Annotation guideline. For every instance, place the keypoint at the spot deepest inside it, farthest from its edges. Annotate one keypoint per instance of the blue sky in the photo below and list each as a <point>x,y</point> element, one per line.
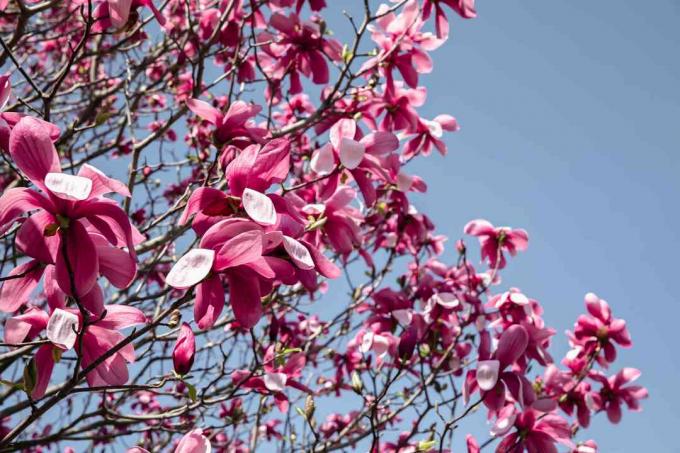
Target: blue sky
<point>568,113</point>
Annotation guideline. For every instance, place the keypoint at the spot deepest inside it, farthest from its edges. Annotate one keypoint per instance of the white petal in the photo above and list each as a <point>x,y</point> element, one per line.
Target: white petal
<point>434,127</point>
<point>351,153</point>
<point>298,253</point>
<point>62,328</point>
<point>275,382</point>
<point>487,374</point>
<point>191,268</point>
<point>447,300</point>
<point>259,207</point>
<point>366,342</point>
<point>403,317</point>
<point>503,425</point>
<point>68,187</point>
<point>519,299</point>
<point>322,161</point>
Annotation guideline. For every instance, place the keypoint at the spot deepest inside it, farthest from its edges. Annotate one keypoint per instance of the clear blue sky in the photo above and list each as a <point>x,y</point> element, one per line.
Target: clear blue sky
<point>569,116</point>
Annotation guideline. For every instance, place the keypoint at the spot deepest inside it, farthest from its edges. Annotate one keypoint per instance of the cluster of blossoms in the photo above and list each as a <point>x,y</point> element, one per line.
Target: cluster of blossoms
<point>271,196</point>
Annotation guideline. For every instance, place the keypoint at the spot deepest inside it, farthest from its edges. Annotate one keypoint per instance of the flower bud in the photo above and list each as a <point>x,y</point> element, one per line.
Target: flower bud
<point>185,348</point>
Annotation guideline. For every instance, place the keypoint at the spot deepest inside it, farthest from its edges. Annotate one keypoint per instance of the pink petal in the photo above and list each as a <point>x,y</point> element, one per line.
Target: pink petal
<point>45,364</point>
<point>25,326</point>
<point>191,268</point>
<point>102,184</point>
<point>244,297</point>
<point>115,264</point>
<point>205,111</point>
<point>33,240</point>
<point>209,302</point>
<point>119,12</point>
<point>62,328</point>
<point>17,201</point>
<point>83,264</point>
<point>93,301</point>
<point>487,374</point>
<point>323,161</point>
<point>512,344</point>
<point>479,227</point>
<point>121,317</point>
<point>15,292</point>
<point>207,200</point>
<point>259,207</point>
<point>5,89</point>
<point>32,150</point>
<point>351,153</point>
<point>242,249</point>
<point>343,128</point>
<point>298,253</point>
<point>275,382</point>
<point>194,442</point>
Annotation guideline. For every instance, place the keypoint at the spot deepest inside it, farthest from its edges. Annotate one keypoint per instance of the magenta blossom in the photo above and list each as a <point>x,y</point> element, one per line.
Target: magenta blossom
<point>493,240</point>
<point>233,127</point>
<point>600,330</point>
<point>615,391</point>
<point>534,433</point>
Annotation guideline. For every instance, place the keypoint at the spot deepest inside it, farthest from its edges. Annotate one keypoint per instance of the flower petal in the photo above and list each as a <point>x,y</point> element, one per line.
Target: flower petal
<point>32,150</point>
<point>259,207</point>
<point>62,328</point>
<point>275,382</point>
<point>487,374</point>
<point>298,253</point>
<point>191,268</point>
<point>351,153</point>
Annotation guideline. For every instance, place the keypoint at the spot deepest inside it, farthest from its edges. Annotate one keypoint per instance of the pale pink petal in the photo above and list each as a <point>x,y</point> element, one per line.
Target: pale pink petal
<point>194,442</point>
<point>119,12</point>
<point>14,292</point>
<point>323,161</point>
<point>487,374</point>
<point>351,153</point>
<point>445,299</point>
<point>102,184</point>
<point>343,128</point>
<point>62,328</point>
<point>298,253</point>
<point>479,227</point>
<point>259,207</point>
<point>275,382</point>
<point>503,425</point>
<point>191,268</point>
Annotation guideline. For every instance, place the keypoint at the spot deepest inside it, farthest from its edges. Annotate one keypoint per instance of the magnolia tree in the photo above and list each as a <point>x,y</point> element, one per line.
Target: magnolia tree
<point>189,304</point>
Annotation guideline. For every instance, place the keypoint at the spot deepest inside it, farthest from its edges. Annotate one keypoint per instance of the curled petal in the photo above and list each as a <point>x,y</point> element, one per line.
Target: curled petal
<point>298,253</point>
<point>259,207</point>
<point>275,382</point>
<point>487,374</point>
<point>62,328</point>
<point>191,268</point>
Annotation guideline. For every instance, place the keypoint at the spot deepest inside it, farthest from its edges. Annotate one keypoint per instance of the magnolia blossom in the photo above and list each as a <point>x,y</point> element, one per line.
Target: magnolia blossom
<point>494,240</point>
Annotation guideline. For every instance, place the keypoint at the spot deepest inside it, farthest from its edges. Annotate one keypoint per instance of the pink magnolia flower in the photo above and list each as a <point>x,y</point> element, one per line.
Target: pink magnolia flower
<point>298,47</point>
<point>428,134</point>
<point>615,390</point>
<point>62,327</point>
<point>276,378</point>
<point>366,159</point>
<point>232,248</point>
<point>535,432</point>
<point>493,240</point>
<point>235,126</point>
<point>185,349</point>
<point>69,210</point>
<point>491,378</point>
<point>600,330</point>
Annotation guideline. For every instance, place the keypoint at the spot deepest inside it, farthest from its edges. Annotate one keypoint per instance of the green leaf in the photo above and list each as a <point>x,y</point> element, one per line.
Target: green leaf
<point>192,391</point>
